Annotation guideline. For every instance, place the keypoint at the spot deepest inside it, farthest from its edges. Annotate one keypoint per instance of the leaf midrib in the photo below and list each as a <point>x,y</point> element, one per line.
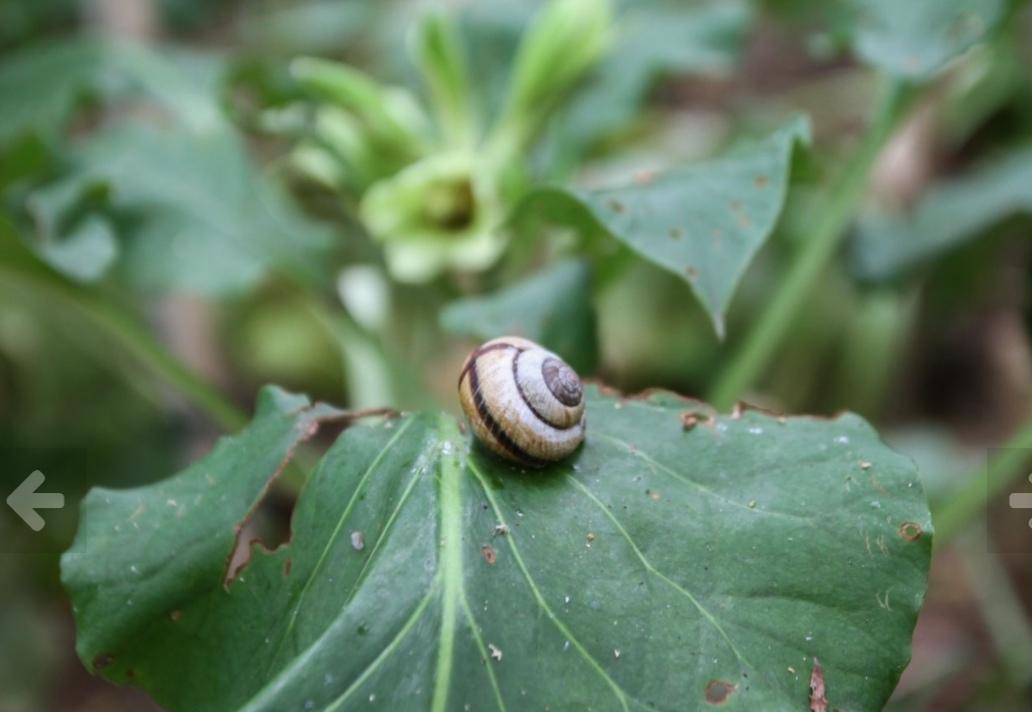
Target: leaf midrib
<point>450,557</point>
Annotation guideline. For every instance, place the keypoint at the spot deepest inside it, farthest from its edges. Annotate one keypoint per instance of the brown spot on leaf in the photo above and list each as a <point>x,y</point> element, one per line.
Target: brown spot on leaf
<point>760,182</point>
<point>689,419</point>
<point>102,660</point>
<point>175,616</point>
<point>911,531</point>
<point>616,206</point>
<point>736,205</point>
<point>717,691</point>
<point>676,233</point>
<point>130,674</point>
<point>693,274</point>
<point>489,554</point>
<point>644,177</point>
<point>287,566</point>
<point>818,696</point>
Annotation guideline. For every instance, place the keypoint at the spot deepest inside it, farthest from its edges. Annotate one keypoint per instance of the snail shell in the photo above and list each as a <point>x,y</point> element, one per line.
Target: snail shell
<point>524,402</point>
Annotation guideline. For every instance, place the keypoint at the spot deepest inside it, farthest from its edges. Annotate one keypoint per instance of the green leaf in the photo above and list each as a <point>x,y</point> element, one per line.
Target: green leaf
<point>553,307</point>
<point>391,114</point>
<point>86,253</point>
<point>704,222</point>
<point>170,197</point>
<point>915,38</point>
<point>951,214</point>
<point>69,71</point>
<point>198,215</point>
<point>562,43</point>
<point>652,40</point>
<point>442,60</point>
<point>74,70</point>
<point>660,568</point>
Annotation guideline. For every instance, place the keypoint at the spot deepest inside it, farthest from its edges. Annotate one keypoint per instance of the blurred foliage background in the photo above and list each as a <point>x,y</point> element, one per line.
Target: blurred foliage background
<point>188,212</point>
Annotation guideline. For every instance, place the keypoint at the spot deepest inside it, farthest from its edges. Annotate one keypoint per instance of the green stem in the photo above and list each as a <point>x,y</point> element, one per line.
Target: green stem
<point>769,331</point>
<point>1000,606</point>
<point>124,329</point>
<point>955,512</point>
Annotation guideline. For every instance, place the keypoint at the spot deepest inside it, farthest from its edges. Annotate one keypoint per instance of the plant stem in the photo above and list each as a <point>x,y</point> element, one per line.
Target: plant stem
<point>1000,606</point>
<point>769,331</point>
<point>123,328</point>
<point>954,513</point>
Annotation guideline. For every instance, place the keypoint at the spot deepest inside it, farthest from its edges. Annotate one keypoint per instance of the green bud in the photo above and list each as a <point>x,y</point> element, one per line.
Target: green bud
<point>390,113</point>
<point>436,214</point>
<point>315,163</point>
<point>563,43</point>
<point>442,61</point>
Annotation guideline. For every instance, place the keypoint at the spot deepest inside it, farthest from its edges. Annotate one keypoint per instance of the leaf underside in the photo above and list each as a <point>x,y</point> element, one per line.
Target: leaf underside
<point>662,567</point>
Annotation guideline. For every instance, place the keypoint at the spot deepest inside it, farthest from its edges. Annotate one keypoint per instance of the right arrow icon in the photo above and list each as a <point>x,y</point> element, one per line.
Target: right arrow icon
<point>25,500</point>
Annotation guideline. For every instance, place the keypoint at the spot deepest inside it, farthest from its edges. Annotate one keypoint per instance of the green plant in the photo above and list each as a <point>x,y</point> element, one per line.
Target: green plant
<point>615,180</point>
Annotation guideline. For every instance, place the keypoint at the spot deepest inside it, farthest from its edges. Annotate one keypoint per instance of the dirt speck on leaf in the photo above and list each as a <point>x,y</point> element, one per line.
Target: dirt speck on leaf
<point>717,691</point>
<point>644,177</point>
<point>911,531</point>
<point>496,652</point>
<point>818,696</point>
<point>175,616</point>
<point>616,206</point>
<point>676,233</point>
<point>760,182</point>
<point>102,660</point>
<point>357,540</point>
<point>501,529</point>
<point>865,465</point>
<point>489,554</point>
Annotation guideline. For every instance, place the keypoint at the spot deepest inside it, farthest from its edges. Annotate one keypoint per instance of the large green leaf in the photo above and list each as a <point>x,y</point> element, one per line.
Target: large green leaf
<point>952,213</point>
<point>704,222</point>
<point>914,38</point>
<point>552,307</point>
<point>663,567</point>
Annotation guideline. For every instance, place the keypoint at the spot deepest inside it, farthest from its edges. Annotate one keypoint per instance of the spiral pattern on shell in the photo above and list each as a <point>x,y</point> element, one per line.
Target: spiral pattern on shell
<point>524,402</point>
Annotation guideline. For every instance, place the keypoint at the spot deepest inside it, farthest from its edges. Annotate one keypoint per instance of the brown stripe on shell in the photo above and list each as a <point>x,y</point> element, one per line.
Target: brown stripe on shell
<point>481,351</point>
<point>492,425</point>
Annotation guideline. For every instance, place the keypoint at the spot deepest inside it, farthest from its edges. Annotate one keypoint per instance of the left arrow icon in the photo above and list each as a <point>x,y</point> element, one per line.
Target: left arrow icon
<point>25,500</point>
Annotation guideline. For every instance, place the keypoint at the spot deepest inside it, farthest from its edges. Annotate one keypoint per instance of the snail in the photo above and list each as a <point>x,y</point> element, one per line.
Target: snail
<point>524,402</point>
